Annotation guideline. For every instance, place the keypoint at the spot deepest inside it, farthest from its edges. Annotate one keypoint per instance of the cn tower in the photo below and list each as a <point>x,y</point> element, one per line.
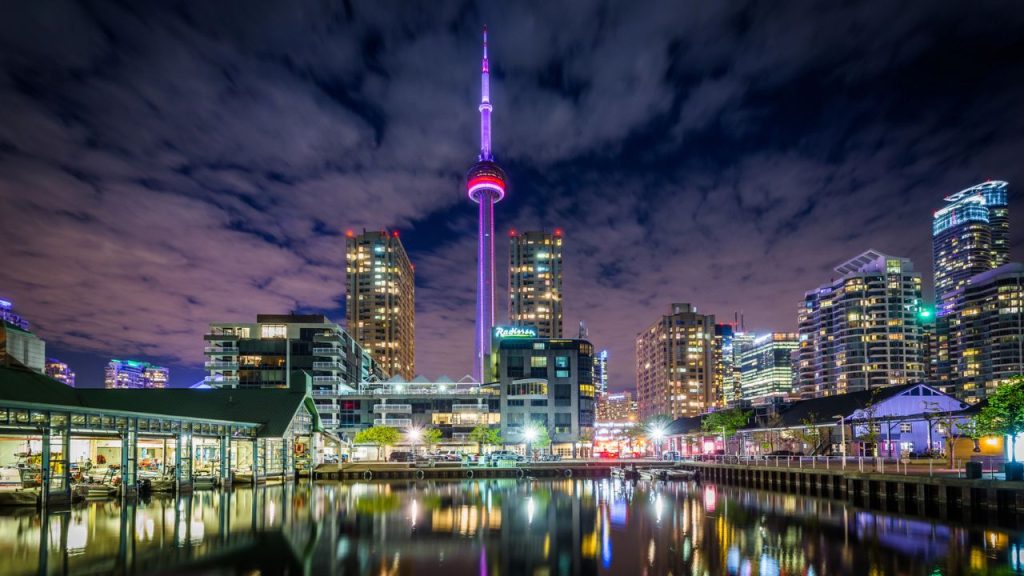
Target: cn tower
<point>485,183</point>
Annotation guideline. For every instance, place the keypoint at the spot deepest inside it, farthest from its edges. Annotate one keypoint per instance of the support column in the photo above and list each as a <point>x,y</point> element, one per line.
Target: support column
<point>225,461</point>
<point>255,460</point>
<point>44,472</point>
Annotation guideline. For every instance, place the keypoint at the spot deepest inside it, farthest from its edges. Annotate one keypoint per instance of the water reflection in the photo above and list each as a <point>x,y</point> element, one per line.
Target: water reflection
<point>494,527</point>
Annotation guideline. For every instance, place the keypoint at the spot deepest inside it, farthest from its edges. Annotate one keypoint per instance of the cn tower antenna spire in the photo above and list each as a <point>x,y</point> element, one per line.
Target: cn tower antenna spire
<point>485,105</point>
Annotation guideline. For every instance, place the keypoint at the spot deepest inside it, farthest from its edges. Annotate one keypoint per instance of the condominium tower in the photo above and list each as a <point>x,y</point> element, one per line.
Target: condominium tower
<point>135,374</point>
<point>674,364</point>
<point>861,330</point>
<point>380,300</point>
<point>60,372</point>
<point>535,282</point>
<point>986,332</point>
<point>767,369</point>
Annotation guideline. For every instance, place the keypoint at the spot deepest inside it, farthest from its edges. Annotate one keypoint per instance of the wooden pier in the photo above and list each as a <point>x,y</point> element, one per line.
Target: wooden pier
<point>370,471</point>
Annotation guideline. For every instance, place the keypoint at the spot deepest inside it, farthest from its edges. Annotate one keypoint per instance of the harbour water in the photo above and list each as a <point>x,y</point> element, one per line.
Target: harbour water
<point>495,527</point>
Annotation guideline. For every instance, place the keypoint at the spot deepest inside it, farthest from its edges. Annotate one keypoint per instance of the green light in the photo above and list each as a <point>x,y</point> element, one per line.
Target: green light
<point>924,313</point>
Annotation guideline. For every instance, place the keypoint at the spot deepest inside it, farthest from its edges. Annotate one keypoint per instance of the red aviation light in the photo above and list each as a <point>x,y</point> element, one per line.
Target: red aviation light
<point>350,234</point>
<point>558,232</point>
<point>394,233</point>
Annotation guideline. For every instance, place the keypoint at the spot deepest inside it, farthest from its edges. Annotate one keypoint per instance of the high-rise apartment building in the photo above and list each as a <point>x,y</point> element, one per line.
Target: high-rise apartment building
<point>380,300</point>
<point>60,372</point>
<point>969,236</point>
<point>277,348</point>
<point>601,373</point>
<point>723,376</point>
<point>535,282</point>
<point>986,332</point>
<point>862,330</point>
<point>767,368</point>
<point>674,364</point>
<point>135,374</point>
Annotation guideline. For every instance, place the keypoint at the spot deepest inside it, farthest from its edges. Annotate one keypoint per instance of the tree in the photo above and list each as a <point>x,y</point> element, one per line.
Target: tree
<point>872,429</point>
<point>810,434</point>
<point>724,422</point>
<point>543,439</point>
<point>484,435</point>
<point>431,437</point>
<point>1004,413</point>
<point>380,436</point>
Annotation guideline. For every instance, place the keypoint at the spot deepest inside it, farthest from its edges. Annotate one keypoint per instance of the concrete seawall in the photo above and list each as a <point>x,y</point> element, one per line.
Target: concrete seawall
<point>974,501</point>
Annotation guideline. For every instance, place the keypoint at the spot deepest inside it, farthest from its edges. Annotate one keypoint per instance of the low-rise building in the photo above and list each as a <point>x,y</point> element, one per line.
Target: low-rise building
<point>545,384</point>
<point>19,347</point>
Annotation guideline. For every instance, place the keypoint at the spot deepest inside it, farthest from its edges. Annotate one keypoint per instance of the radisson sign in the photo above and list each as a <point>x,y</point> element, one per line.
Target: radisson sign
<point>514,332</point>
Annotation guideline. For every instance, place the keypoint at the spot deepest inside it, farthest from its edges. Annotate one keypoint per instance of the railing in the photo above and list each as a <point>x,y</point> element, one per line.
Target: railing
<point>393,422</point>
<point>221,365</point>
<point>327,379</point>
<point>332,351</point>
<point>327,366</point>
<point>879,464</point>
<point>218,351</point>
<point>470,408</point>
<point>221,379</point>
<point>392,408</point>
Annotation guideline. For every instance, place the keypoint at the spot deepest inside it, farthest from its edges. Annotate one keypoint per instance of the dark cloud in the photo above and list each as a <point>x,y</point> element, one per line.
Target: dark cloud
<point>164,166</point>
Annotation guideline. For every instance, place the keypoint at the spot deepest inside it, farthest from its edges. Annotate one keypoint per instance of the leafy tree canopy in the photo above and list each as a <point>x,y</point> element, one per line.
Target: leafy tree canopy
<point>726,422</point>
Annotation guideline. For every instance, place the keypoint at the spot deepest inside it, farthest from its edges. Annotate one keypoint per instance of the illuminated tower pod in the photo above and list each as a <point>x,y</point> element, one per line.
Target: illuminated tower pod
<point>485,183</point>
<point>535,282</point>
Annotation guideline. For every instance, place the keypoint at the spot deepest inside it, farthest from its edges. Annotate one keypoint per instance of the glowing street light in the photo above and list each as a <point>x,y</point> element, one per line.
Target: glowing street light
<point>413,435</point>
<point>530,434</point>
<point>657,433</point>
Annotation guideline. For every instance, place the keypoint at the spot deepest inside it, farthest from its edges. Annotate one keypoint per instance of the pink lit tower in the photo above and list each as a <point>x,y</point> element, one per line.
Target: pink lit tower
<point>485,183</point>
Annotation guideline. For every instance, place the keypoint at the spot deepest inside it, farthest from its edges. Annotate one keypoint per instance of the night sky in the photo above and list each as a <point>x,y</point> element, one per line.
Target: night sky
<point>168,166</point>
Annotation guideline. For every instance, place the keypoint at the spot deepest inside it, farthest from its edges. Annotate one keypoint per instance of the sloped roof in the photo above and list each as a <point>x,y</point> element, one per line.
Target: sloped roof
<point>272,409</point>
<point>821,410</point>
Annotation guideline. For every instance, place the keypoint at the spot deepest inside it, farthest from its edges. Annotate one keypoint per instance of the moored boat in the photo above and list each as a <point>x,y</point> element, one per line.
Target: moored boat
<point>19,498</point>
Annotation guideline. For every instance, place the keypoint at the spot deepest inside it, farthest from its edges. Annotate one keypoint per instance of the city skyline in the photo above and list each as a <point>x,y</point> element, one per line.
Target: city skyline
<point>777,196</point>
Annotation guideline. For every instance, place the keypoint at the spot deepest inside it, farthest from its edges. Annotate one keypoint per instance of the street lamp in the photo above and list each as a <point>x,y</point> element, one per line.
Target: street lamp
<point>842,431</point>
<point>657,435</point>
<point>530,435</point>
<point>413,435</point>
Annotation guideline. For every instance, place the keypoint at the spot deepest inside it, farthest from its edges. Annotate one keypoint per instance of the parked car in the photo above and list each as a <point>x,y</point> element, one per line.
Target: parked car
<point>448,456</point>
<point>671,455</point>
<point>499,455</point>
<point>401,457</point>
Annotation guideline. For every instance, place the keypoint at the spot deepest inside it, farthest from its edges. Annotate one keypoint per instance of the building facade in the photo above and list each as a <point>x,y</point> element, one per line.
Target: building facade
<point>619,407</point>
<point>453,408</point>
<point>986,332</point>
<point>18,346</point>
<point>545,384</point>
<point>767,368</point>
<point>270,352</point>
<point>60,372</point>
<point>135,374</point>
<point>969,236</point>
<point>380,300</point>
<point>675,364</point>
<point>7,314</point>
<point>723,376</point>
<point>535,282</point>
<point>862,330</point>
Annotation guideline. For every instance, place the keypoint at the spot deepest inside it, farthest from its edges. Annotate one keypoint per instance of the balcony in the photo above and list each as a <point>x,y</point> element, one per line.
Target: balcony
<point>220,351</point>
<point>327,380</point>
<point>325,392</point>
<point>330,351</point>
<point>470,408</point>
<point>328,366</point>
<point>392,408</point>
<point>220,365</point>
<point>221,380</point>
<point>393,422</point>
<point>220,337</point>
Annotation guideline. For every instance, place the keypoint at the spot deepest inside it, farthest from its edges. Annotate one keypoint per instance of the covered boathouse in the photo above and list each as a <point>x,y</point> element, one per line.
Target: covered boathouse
<point>53,436</point>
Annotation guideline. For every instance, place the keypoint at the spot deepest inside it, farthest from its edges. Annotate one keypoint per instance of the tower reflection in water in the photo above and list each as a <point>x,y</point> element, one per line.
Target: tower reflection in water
<point>495,527</point>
